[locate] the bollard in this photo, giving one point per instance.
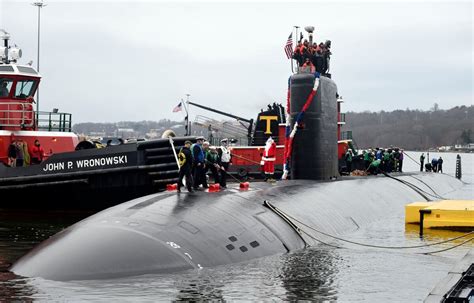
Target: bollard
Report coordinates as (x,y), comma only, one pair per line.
(214,188)
(422,218)
(458,173)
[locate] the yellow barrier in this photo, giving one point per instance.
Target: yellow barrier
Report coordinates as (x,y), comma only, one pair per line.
(442,214)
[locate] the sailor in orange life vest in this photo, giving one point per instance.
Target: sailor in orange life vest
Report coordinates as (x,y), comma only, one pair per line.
(268,159)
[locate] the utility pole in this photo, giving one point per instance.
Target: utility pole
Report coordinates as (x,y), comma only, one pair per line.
(40,4)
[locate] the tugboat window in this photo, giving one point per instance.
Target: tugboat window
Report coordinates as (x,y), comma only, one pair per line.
(24,89)
(25,69)
(5,87)
(6,69)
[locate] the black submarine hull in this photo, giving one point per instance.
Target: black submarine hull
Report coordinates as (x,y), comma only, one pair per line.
(169,232)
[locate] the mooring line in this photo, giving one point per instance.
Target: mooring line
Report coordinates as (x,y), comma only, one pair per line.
(416,188)
(377,246)
(449,248)
(286,219)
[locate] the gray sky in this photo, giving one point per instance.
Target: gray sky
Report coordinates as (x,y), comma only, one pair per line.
(111,61)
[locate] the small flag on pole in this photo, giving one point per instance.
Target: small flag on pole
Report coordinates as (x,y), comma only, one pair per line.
(289,47)
(301,37)
(178,107)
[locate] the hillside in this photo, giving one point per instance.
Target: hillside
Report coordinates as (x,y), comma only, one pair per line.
(409,129)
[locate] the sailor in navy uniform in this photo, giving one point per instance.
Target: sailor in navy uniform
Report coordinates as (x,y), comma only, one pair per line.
(199,170)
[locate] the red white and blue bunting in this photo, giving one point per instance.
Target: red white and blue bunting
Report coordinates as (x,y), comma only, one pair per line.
(289,135)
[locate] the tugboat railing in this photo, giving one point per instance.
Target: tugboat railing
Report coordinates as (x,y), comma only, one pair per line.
(54,121)
(346,135)
(342,117)
(16,114)
(21,115)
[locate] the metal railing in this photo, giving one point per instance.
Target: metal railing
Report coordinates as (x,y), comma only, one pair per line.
(16,114)
(346,135)
(342,117)
(54,121)
(235,141)
(226,127)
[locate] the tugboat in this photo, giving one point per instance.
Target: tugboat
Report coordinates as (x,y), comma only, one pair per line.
(18,120)
(71,174)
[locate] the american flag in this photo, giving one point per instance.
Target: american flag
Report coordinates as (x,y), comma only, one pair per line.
(178,107)
(289,47)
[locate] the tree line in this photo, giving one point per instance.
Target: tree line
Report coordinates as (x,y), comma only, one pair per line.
(412,129)
(408,129)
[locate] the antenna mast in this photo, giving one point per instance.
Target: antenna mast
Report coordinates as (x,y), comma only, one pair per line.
(40,4)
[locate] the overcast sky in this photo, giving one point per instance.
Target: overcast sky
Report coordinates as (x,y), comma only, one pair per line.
(128,60)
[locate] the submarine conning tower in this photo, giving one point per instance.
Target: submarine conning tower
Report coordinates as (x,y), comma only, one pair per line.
(314,152)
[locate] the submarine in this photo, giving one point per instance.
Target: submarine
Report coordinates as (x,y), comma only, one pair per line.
(171,232)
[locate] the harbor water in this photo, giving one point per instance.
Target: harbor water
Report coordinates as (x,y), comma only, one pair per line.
(320,273)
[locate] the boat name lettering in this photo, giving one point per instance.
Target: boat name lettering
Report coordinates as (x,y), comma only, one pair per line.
(86,163)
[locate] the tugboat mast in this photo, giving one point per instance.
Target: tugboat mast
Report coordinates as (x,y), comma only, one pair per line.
(40,5)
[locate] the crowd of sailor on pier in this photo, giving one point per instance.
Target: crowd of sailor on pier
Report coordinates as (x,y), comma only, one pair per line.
(385,160)
(377,160)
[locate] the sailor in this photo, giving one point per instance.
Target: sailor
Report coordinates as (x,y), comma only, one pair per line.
(4,89)
(378,154)
(348,158)
(366,159)
(19,154)
(422,160)
(371,155)
(12,154)
(400,161)
(386,161)
(26,155)
(308,66)
(199,172)
(434,164)
(298,53)
(374,167)
(185,159)
(213,162)
(395,156)
(37,153)
(225,160)
(269,159)
(440,165)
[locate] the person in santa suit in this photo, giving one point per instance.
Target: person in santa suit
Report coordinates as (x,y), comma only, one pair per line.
(268,159)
